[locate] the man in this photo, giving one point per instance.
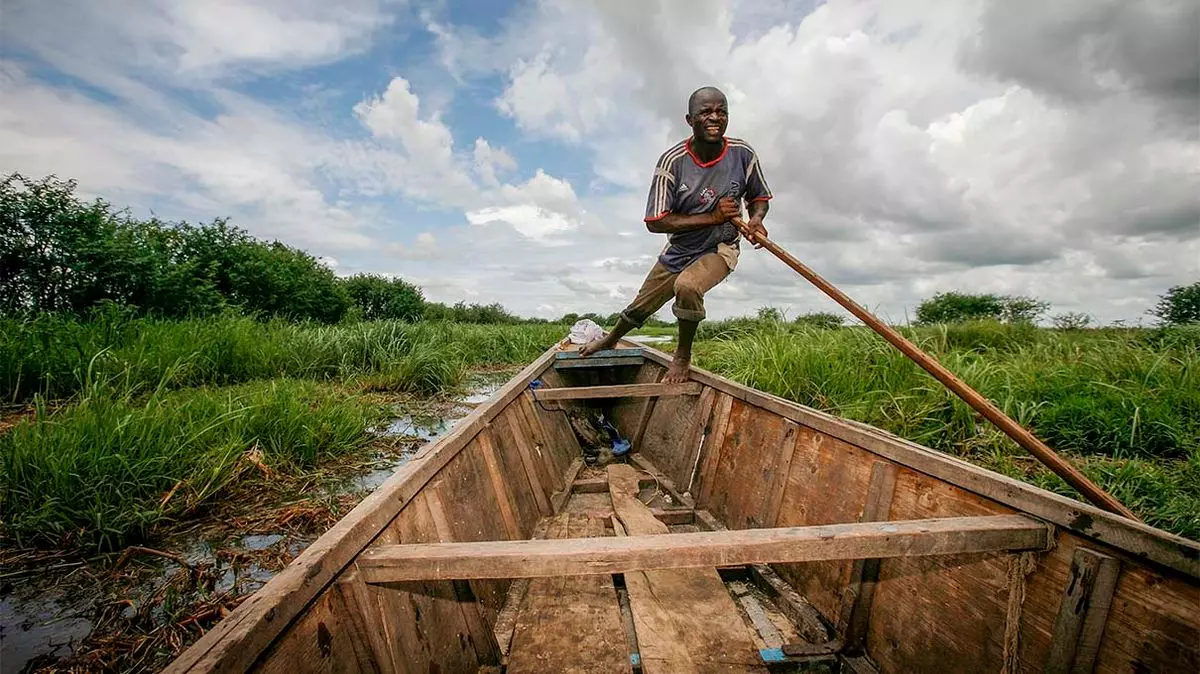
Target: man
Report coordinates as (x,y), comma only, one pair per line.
(697,189)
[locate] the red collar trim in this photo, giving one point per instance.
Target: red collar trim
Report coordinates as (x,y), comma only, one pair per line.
(724,148)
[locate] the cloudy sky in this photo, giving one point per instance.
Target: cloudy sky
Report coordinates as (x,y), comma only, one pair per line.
(496,153)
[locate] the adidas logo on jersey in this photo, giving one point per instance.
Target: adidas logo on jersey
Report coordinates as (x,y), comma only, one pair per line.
(683,187)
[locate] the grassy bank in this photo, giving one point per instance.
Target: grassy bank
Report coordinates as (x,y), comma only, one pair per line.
(104,471)
(1125,405)
(54,356)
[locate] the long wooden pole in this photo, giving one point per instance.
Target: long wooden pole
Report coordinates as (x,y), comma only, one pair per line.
(1012,429)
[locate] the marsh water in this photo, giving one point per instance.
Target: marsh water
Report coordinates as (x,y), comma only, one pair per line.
(47,609)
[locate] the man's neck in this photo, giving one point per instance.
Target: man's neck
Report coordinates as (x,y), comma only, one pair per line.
(706,151)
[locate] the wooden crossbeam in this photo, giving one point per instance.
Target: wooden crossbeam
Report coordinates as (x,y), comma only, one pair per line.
(618,391)
(864,540)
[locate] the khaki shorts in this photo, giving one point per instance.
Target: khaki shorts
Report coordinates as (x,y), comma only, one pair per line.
(687,287)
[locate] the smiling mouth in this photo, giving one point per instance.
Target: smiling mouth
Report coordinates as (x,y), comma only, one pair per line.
(712,129)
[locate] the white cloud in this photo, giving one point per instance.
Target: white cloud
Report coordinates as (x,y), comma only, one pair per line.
(1046,149)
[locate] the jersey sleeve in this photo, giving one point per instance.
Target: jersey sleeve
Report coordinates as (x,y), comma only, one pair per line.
(756,184)
(661,200)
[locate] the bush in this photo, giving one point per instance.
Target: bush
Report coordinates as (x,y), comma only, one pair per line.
(955,307)
(61,255)
(378,297)
(824,320)
(1179,306)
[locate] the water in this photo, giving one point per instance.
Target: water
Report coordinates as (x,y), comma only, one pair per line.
(45,617)
(650,339)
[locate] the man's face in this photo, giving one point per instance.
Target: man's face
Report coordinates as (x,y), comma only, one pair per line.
(709,117)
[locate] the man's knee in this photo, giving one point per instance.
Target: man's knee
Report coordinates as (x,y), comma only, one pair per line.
(688,290)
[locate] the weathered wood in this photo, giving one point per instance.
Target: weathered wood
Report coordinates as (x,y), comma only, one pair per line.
(573,354)
(367,623)
(597,362)
(865,572)
(685,619)
(1136,538)
(238,640)
(710,450)
(504,499)
(780,473)
(804,616)
(534,467)
(599,485)
(552,461)
(647,407)
(689,450)
(619,391)
(482,637)
(570,623)
(1082,613)
(524,559)
(560,498)
(748,468)
(662,480)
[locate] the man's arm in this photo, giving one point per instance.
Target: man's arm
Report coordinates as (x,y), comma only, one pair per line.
(674,223)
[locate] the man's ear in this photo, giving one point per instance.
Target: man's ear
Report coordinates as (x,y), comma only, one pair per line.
(688,118)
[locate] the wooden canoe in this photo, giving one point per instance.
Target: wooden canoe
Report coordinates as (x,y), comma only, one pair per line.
(744,533)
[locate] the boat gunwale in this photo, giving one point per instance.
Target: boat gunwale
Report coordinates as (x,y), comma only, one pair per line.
(1138,539)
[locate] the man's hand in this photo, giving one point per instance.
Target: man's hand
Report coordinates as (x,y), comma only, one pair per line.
(754,226)
(727,209)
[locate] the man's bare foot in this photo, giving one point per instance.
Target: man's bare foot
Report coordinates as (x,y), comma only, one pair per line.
(595,345)
(679,371)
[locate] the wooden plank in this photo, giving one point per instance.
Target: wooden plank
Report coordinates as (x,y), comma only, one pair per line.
(655,374)
(552,460)
(570,623)
(683,468)
(685,619)
(529,558)
(671,421)
(530,460)
(780,473)
(573,355)
(1136,538)
(238,640)
(710,449)
(594,362)
(1082,613)
(662,480)
(368,621)
(599,485)
(619,391)
(865,572)
(560,497)
(503,498)
(482,637)
(747,469)
(804,616)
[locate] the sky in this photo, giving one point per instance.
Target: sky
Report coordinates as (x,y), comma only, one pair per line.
(494,152)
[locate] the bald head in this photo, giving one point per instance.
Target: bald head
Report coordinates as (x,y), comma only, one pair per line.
(704,95)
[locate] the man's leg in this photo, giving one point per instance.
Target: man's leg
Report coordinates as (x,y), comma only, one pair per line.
(697,279)
(658,287)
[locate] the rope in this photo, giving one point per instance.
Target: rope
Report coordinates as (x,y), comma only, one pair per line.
(1019,566)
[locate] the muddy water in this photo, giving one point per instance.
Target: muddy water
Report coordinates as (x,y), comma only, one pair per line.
(46,612)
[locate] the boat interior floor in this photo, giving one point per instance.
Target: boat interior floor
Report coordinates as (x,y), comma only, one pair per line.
(736,619)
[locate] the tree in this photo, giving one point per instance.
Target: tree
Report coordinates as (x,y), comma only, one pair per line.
(821,319)
(379,297)
(1180,305)
(1071,320)
(956,307)
(770,315)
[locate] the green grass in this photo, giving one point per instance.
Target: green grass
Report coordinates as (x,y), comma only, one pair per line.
(97,474)
(1123,404)
(52,356)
